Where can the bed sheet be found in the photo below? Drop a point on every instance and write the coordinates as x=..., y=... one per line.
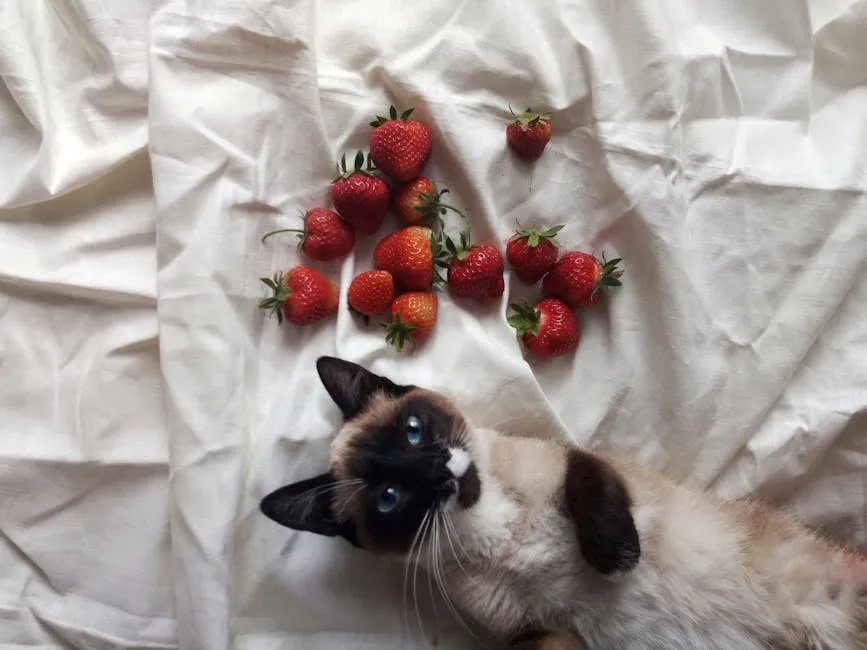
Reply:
x=718, y=147
x=84, y=465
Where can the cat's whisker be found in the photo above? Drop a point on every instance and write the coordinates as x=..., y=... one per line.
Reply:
x=441, y=583
x=432, y=559
x=457, y=537
x=412, y=546
x=425, y=533
x=463, y=438
x=346, y=500
x=306, y=500
x=448, y=527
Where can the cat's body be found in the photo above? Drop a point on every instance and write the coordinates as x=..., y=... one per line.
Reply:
x=712, y=574
x=549, y=546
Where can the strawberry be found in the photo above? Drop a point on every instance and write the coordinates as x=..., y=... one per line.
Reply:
x=399, y=147
x=360, y=196
x=529, y=133
x=409, y=255
x=325, y=235
x=371, y=293
x=413, y=316
x=532, y=252
x=549, y=329
x=419, y=200
x=579, y=279
x=476, y=271
x=303, y=295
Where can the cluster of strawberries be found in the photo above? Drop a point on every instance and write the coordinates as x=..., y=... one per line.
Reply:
x=577, y=279
x=406, y=262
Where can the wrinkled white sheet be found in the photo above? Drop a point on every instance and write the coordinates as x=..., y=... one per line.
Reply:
x=717, y=146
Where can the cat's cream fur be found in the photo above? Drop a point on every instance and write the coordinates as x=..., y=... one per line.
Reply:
x=712, y=574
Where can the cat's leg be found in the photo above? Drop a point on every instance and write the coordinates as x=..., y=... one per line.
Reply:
x=600, y=505
x=547, y=641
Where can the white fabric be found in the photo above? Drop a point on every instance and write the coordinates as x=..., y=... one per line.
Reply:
x=717, y=146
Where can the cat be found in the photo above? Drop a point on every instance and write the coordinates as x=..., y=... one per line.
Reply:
x=549, y=546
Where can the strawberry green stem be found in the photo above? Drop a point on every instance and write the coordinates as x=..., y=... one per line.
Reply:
x=274, y=232
x=453, y=209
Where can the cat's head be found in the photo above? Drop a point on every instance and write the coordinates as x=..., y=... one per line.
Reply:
x=402, y=452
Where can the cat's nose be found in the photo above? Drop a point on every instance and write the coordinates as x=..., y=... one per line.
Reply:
x=441, y=458
x=442, y=461
x=441, y=465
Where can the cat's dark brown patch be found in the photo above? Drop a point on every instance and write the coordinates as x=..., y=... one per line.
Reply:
x=599, y=504
x=470, y=488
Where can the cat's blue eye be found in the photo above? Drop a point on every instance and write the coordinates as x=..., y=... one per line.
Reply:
x=388, y=499
x=414, y=430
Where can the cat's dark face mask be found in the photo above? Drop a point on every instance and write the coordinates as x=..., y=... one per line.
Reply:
x=396, y=465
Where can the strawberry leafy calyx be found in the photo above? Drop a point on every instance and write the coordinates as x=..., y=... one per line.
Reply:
x=528, y=117
x=432, y=207
x=280, y=294
x=536, y=235
x=398, y=332
x=441, y=258
x=392, y=115
x=359, y=167
x=526, y=319
x=609, y=275
x=460, y=250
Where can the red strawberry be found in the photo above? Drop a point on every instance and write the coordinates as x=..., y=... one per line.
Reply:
x=579, y=279
x=399, y=147
x=419, y=200
x=476, y=271
x=549, y=329
x=360, y=196
x=413, y=316
x=371, y=293
x=528, y=134
x=532, y=252
x=409, y=255
x=325, y=235
x=303, y=295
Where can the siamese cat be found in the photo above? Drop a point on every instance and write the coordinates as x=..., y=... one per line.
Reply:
x=546, y=545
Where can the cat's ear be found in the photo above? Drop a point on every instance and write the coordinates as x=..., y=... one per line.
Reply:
x=599, y=505
x=351, y=386
x=306, y=506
